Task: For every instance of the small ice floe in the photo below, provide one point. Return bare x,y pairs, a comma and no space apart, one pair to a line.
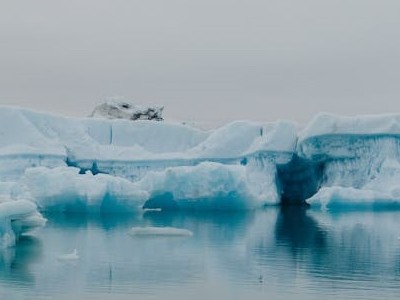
73,256
159,231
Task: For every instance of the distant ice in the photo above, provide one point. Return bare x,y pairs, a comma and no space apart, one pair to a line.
159,231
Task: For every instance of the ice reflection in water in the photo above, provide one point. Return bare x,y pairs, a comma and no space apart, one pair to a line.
275,253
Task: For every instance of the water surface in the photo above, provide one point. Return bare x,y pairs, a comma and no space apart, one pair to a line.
269,254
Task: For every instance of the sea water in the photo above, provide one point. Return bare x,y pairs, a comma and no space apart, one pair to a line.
273,253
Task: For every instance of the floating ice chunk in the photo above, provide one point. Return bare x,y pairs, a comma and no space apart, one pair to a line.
73,256
17,218
159,231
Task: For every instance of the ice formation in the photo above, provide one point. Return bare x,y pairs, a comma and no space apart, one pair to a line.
358,158
63,189
100,165
17,218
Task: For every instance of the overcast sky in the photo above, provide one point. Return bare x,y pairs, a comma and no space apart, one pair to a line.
205,60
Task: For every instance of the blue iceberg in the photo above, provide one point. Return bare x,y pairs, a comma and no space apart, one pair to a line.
101,165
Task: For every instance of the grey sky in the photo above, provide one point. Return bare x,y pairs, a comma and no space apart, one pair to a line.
204,60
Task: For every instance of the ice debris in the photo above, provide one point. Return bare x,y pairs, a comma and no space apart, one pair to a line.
159,231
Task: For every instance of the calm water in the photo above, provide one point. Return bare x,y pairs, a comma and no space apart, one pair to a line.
269,254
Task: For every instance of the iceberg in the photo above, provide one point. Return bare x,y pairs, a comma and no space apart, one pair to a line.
358,158
116,165
102,165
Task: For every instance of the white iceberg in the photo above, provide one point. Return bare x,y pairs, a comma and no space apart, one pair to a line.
59,162
101,165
